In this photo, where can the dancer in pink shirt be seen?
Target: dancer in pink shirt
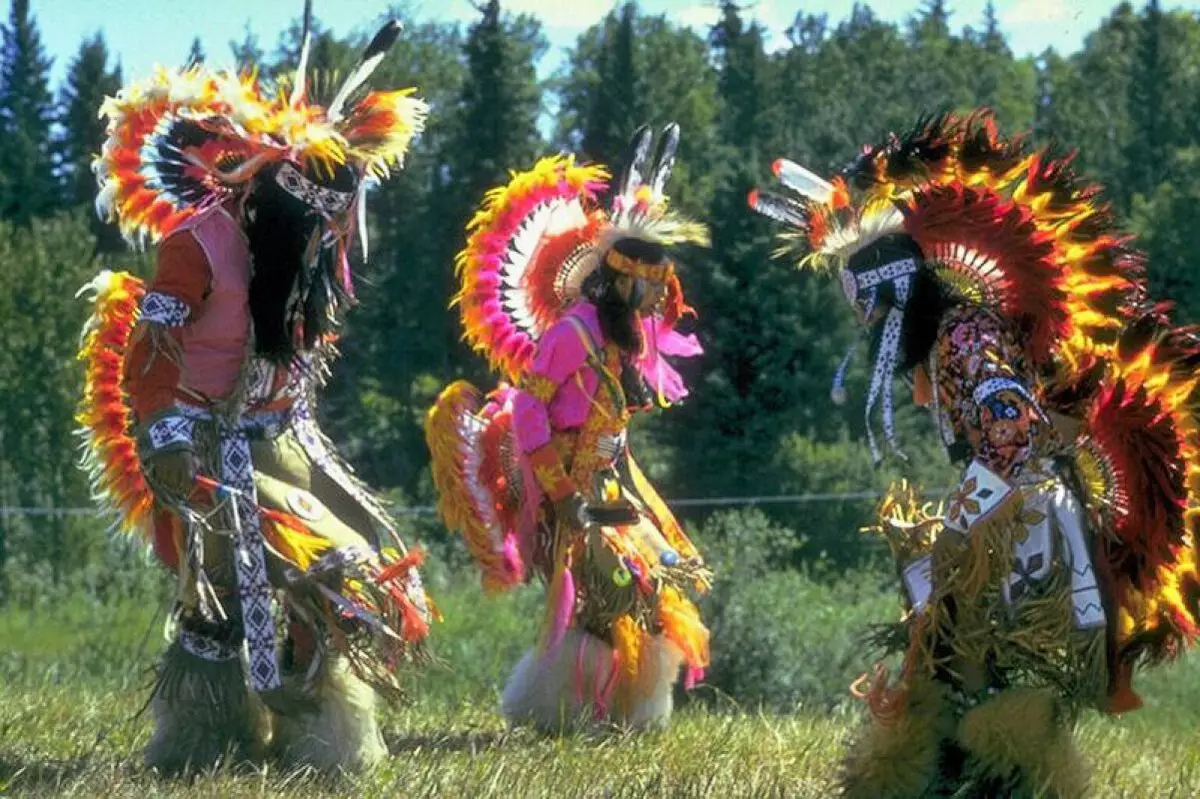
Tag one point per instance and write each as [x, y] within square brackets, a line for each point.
[576, 305]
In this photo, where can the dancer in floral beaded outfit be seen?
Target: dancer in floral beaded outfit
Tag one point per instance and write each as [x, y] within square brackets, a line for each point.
[997, 284]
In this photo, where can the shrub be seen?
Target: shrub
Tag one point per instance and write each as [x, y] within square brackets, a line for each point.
[784, 636]
[786, 639]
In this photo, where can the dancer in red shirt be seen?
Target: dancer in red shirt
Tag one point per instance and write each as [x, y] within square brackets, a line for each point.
[297, 598]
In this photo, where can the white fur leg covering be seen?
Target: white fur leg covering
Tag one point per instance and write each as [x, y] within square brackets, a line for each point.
[652, 709]
[552, 691]
[203, 715]
[571, 686]
[343, 734]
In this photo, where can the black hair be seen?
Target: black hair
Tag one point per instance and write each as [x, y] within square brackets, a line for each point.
[928, 299]
[928, 302]
[618, 320]
[616, 312]
[291, 301]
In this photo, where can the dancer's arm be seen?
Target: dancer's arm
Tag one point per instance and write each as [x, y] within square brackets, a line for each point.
[560, 355]
[174, 299]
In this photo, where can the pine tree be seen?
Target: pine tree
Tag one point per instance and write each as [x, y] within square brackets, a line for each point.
[614, 110]
[1091, 94]
[1165, 222]
[1000, 82]
[1148, 149]
[44, 264]
[934, 19]
[393, 360]
[993, 40]
[89, 81]
[941, 74]
[29, 188]
[1051, 70]
[728, 289]
[670, 79]
[739, 49]
[773, 337]
[495, 131]
[247, 54]
[403, 344]
[500, 103]
[196, 55]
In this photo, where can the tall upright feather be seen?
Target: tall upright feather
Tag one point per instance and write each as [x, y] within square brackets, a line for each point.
[635, 171]
[305, 50]
[371, 58]
[665, 163]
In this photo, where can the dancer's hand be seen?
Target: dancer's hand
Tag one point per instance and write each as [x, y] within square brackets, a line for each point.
[572, 510]
[174, 471]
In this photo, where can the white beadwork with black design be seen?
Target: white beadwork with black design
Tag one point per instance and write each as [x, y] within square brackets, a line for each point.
[325, 200]
[173, 431]
[164, 309]
[886, 273]
[883, 374]
[994, 385]
[254, 589]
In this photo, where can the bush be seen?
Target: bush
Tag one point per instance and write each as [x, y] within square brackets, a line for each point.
[783, 636]
[787, 639]
[830, 526]
[745, 544]
[480, 640]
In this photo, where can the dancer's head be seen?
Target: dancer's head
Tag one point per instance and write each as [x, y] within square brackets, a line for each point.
[632, 279]
[297, 222]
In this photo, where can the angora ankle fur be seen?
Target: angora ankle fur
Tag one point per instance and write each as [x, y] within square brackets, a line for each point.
[900, 758]
[342, 734]
[1021, 737]
[203, 715]
[559, 690]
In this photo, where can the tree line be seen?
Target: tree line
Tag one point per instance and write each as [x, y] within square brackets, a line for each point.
[760, 421]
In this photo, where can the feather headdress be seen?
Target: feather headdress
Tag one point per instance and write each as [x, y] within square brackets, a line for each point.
[183, 140]
[535, 241]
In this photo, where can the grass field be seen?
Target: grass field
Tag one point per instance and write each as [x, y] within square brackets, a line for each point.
[73, 676]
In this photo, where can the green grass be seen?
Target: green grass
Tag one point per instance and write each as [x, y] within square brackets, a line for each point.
[73, 675]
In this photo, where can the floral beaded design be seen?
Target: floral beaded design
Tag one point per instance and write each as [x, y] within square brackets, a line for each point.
[983, 390]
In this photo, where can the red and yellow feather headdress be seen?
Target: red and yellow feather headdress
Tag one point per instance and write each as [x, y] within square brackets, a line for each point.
[183, 140]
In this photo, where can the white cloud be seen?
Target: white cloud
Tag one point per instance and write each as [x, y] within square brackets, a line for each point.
[1037, 12]
[566, 14]
[698, 17]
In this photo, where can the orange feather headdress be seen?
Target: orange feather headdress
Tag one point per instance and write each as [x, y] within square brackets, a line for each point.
[183, 140]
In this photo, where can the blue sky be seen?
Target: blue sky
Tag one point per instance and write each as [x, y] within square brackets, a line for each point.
[145, 32]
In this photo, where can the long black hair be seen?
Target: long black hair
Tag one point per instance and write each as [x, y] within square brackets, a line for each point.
[294, 289]
[928, 299]
[618, 320]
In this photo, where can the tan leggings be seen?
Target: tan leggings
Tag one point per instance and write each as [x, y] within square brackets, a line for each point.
[281, 466]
